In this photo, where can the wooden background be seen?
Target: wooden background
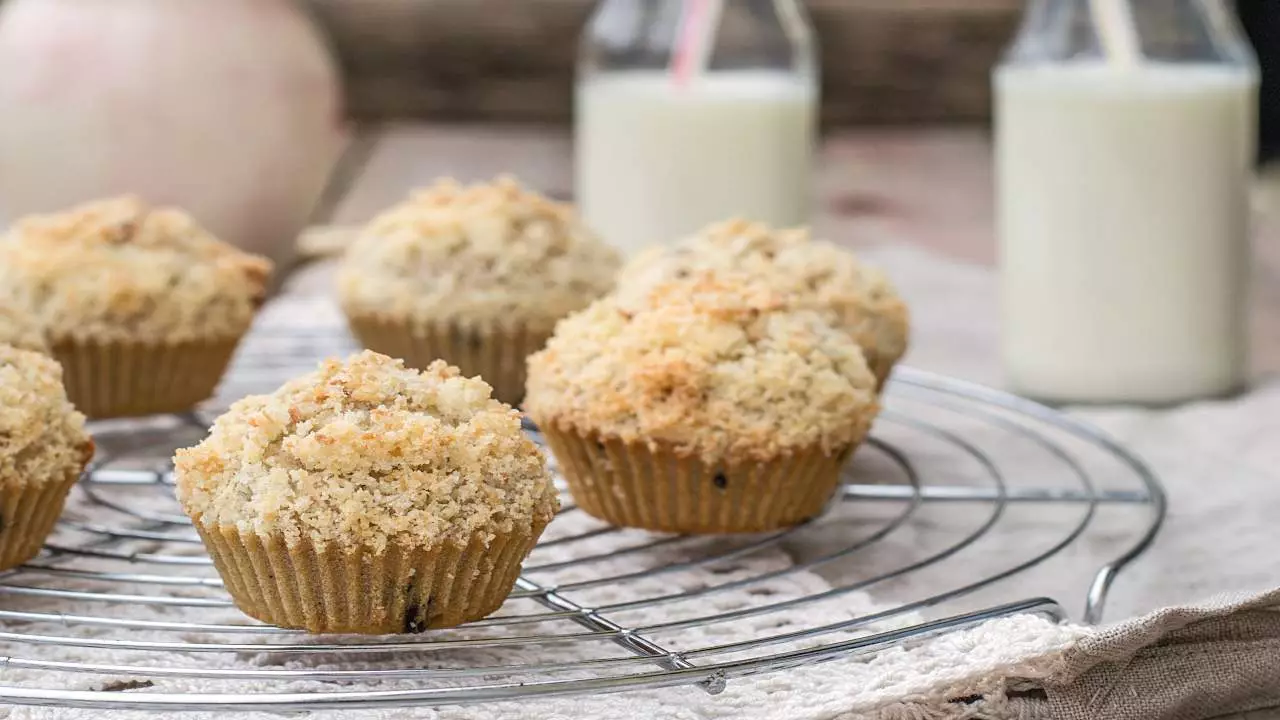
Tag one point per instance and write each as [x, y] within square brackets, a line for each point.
[884, 61]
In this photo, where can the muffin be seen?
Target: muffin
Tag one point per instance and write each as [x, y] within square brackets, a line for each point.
[368, 498]
[43, 450]
[807, 273]
[475, 275]
[141, 306]
[710, 407]
[19, 329]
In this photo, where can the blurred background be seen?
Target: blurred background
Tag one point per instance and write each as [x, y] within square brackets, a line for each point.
[883, 61]
[265, 117]
[494, 81]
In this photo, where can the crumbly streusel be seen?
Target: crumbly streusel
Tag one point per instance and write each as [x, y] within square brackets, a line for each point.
[121, 270]
[366, 451]
[714, 365]
[476, 254]
[809, 274]
[42, 437]
[19, 329]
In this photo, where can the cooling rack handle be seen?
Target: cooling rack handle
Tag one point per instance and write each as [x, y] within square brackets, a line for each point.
[1095, 601]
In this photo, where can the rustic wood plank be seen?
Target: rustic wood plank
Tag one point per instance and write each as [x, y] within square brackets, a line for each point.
[884, 61]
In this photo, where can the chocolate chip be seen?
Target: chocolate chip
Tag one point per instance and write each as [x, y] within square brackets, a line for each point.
[721, 481]
[415, 620]
[122, 685]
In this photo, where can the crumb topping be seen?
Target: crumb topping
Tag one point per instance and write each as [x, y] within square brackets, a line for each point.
[476, 254]
[715, 364]
[121, 270]
[19, 329]
[42, 437]
[809, 274]
[368, 451]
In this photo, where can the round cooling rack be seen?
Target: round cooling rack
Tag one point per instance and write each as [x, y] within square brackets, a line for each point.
[963, 503]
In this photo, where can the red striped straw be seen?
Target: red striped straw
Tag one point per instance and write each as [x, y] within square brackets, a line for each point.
[685, 57]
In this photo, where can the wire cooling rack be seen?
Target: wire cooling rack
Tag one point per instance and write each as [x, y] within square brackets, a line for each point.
[123, 609]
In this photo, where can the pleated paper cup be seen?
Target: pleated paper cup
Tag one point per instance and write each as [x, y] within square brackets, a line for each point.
[636, 485]
[28, 511]
[880, 365]
[496, 354]
[333, 589]
[125, 378]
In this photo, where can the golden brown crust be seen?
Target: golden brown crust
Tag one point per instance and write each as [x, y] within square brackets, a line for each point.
[42, 437]
[483, 254]
[366, 452]
[121, 270]
[498, 355]
[20, 329]
[808, 274]
[713, 365]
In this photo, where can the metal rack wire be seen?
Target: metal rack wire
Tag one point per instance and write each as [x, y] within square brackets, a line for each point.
[123, 609]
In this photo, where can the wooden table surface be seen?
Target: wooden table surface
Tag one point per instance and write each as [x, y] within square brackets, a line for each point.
[931, 188]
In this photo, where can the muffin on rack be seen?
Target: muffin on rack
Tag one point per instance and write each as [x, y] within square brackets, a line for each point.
[807, 273]
[477, 275]
[20, 329]
[141, 306]
[709, 406]
[43, 450]
[385, 500]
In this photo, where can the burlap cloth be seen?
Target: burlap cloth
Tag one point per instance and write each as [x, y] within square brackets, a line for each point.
[1204, 635]
[1194, 659]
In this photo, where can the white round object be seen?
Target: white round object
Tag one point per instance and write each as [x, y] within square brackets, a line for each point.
[229, 109]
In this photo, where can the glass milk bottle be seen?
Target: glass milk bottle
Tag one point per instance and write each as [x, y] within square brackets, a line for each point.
[1125, 134]
[694, 111]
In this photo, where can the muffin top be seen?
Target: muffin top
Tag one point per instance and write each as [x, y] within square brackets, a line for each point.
[713, 365]
[475, 255]
[366, 451]
[121, 270]
[807, 273]
[42, 437]
[19, 329]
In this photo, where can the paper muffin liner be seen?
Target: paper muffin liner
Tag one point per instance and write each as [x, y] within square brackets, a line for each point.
[496, 354]
[130, 378]
[332, 589]
[634, 485]
[881, 366]
[28, 511]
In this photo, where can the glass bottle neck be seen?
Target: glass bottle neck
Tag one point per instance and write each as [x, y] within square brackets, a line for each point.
[1131, 32]
[723, 34]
